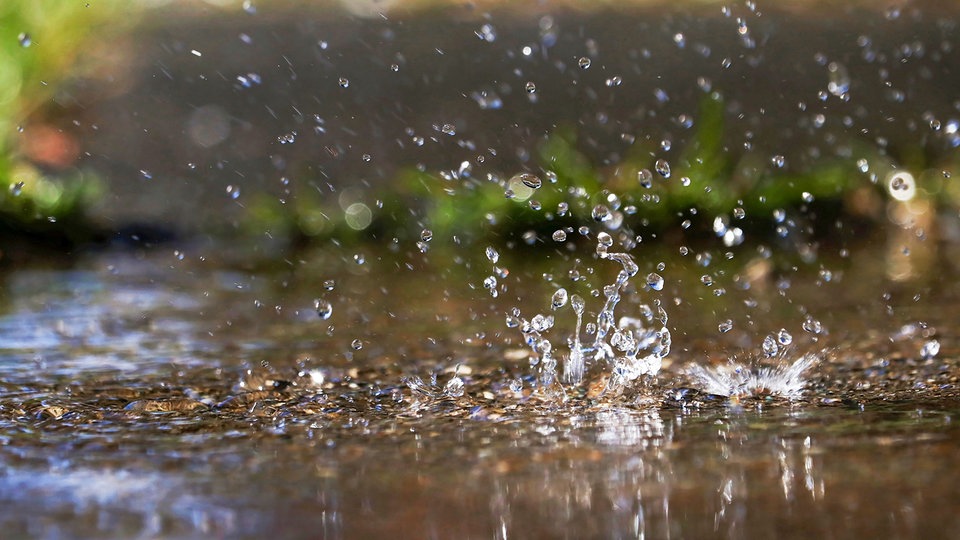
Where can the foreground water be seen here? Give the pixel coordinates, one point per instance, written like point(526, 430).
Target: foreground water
point(165, 394)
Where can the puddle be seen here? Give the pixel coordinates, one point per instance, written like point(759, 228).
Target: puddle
point(183, 402)
point(631, 349)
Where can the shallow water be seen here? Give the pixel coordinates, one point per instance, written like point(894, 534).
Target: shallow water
point(145, 395)
point(204, 388)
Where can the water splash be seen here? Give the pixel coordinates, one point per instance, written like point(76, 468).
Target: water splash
point(626, 350)
point(751, 380)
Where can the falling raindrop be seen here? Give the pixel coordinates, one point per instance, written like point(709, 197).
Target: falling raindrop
point(426, 235)
point(16, 188)
point(725, 326)
point(329, 284)
point(559, 235)
point(24, 39)
point(492, 254)
point(344, 82)
point(357, 344)
point(584, 62)
point(531, 87)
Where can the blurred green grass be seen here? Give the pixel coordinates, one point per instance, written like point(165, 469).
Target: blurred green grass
point(43, 43)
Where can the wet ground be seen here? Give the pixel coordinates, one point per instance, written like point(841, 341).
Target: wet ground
point(157, 394)
point(210, 388)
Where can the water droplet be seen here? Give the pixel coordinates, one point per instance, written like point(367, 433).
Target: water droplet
point(487, 33)
point(516, 385)
point(329, 284)
point(784, 337)
point(930, 349)
point(357, 344)
point(426, 235)
point(663, 168)
point(559, 299)
point(367, 158)
point(725, 326)
point(770, 347)
point(531, 87)
point(604, 241)
point(839, 83)
point(616, 80)
point(584, 62)
point(359, 258)
point(490, 283)
point(807, 197)
point(323, 307)
point(24, 39)
point(559, 235)
point(492, 254)
point(233, 191)
point(16, 188)
point(344, 82)
point(147, 175)
point(778, 161)
point(645, 177)
point(530, 180)
point(448, 129)
point(655, 281)
point(733, 237)
point(600, 213)
point(812, 325)
point(739, 213)
point(706, 280)
point(901, 185)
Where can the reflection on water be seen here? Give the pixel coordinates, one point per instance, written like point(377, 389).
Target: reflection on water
point(212, 401)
